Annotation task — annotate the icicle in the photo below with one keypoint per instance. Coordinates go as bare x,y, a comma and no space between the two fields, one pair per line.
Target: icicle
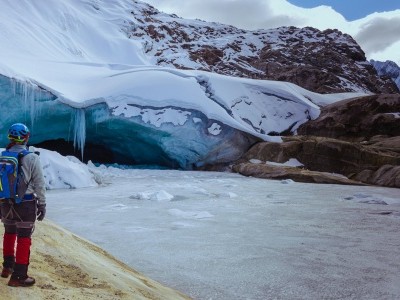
79,122
29,100
27,92
13,84
25,95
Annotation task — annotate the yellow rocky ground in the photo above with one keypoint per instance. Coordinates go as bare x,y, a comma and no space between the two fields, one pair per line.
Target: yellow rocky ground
67,267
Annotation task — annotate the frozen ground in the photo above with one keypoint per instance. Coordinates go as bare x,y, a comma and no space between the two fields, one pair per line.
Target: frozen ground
224,236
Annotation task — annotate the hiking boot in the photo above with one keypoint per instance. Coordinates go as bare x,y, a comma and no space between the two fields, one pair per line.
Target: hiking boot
6,272
21,281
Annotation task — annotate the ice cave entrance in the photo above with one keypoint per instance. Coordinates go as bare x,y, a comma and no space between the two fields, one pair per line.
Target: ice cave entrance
101,154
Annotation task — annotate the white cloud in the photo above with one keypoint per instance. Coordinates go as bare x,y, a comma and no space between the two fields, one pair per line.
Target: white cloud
386,32
234,12
377,34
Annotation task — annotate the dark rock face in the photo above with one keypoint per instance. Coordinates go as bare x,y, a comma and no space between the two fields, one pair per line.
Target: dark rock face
358,138
388,69
386,175
321,61
359,163
357,119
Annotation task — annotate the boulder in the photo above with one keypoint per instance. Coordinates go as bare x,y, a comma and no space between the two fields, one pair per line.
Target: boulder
387,175
357,119
297,174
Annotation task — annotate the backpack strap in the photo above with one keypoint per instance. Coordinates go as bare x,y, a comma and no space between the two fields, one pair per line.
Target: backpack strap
20,156
19,171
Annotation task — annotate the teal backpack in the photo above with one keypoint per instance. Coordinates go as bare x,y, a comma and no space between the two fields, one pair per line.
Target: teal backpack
11,175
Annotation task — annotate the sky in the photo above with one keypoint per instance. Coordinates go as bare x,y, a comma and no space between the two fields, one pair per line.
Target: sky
351,10
375,25
225,236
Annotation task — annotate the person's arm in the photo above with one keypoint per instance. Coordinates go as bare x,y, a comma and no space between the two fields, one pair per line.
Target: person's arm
37,180
36,183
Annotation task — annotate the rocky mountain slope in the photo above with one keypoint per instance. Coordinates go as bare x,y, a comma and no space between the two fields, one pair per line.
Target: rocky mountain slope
388,69
66,266
355,141
321,61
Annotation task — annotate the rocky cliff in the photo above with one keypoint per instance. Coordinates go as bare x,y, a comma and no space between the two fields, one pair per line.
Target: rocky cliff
355,141
388,69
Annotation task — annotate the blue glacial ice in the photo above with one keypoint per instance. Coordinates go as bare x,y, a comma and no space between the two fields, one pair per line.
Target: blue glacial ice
183,139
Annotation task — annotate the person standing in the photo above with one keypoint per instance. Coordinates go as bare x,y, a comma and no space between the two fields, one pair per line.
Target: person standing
19,219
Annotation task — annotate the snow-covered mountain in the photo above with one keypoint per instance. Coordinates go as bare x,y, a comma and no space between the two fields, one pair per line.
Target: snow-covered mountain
321,61
389,69
78,73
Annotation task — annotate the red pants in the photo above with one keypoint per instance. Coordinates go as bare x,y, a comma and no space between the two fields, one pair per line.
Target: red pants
18,222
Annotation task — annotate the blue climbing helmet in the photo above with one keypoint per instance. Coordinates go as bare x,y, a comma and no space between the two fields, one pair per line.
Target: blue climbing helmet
18,133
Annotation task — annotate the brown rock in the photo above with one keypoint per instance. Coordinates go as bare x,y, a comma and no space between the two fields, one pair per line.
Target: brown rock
386,175
296,174
384,142
357,119
331,155
353,160
276,152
